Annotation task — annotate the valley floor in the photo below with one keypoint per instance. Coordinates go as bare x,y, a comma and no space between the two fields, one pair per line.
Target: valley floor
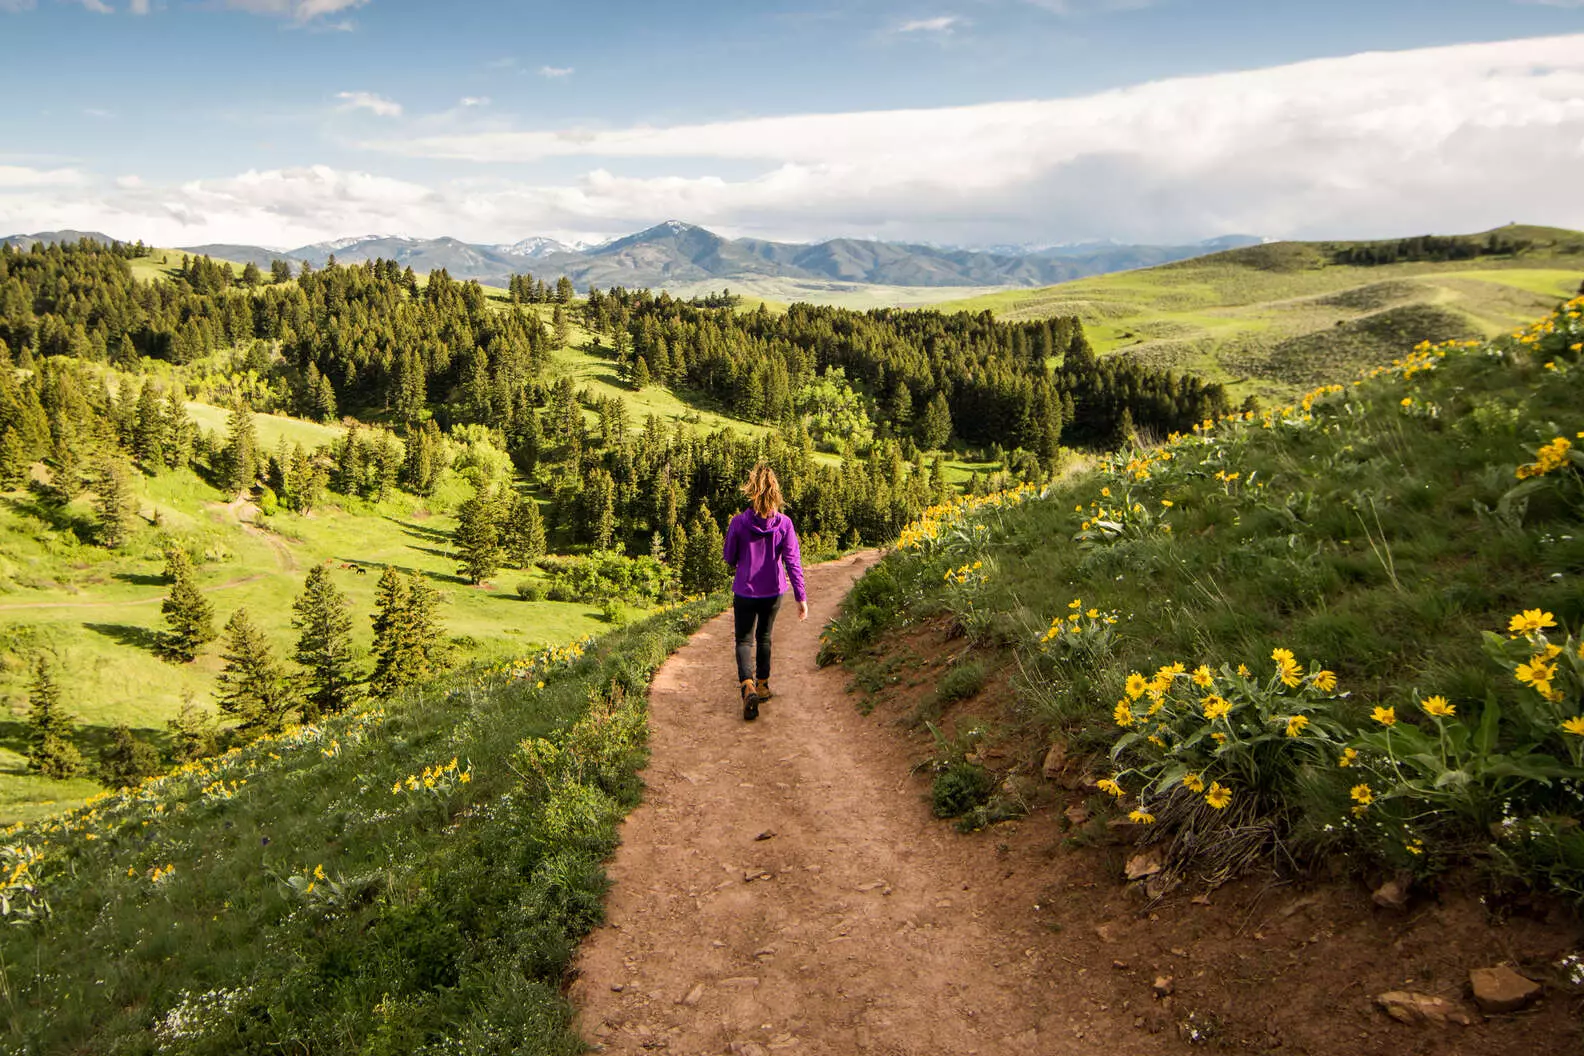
784,888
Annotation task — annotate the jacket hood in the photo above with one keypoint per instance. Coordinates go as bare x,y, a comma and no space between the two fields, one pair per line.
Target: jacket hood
760,525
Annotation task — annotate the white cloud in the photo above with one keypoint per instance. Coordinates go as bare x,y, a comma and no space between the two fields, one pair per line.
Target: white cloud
99,112
474,100
377,105
98,7
16,176
12,7
138,7
939,24
300,11
1447,139
555,71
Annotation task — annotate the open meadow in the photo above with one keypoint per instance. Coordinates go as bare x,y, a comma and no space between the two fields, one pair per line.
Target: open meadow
1273,320
97,612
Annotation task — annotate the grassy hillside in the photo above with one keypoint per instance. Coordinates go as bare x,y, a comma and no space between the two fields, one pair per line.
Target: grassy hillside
409,878
1276,319
1348,626
97,612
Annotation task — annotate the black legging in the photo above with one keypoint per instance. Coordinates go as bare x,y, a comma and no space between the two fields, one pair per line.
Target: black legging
749,611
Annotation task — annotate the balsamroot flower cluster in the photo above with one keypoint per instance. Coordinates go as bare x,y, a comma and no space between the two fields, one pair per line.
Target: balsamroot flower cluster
1211,733
944,522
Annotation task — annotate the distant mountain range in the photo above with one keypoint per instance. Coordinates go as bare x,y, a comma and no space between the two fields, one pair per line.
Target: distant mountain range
680,254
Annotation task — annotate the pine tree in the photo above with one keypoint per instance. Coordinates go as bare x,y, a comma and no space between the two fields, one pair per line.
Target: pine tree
395,655
524,536
252,686
239,462
112,503
423,603
149,429
640,375
703,571
188,614
408,638
127,760
14,462
50,728
934,427
193,732
477,539
251,276
179,431
408,404
323,617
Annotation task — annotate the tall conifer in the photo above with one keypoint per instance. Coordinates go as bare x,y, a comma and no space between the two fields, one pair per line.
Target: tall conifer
188,615
323,618
252,685
477,539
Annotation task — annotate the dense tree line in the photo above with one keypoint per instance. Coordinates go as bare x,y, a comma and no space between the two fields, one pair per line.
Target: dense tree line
928,375
365,337
1436,248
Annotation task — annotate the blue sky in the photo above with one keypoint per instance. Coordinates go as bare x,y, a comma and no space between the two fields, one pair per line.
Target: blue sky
284,121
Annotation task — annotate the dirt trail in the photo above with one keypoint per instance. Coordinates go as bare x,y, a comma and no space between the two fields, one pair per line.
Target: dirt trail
863,925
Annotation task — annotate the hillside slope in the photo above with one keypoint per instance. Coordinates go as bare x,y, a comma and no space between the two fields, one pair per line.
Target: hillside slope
1348,627
1276,319
407,878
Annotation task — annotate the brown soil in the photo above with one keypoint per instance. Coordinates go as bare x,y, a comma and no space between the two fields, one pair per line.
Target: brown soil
784,888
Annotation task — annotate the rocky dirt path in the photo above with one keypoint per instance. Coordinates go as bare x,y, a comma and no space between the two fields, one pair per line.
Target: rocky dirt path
783,888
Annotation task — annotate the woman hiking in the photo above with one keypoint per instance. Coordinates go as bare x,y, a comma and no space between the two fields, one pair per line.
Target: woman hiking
760,543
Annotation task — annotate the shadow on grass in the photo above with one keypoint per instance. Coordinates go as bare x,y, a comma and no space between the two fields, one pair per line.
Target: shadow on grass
141,579
90,741
434,535
127,634
439,577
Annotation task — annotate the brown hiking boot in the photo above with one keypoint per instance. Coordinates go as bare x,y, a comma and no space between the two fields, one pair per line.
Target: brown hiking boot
750,701
762,689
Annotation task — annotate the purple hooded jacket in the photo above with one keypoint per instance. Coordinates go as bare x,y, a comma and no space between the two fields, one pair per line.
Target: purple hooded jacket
757,549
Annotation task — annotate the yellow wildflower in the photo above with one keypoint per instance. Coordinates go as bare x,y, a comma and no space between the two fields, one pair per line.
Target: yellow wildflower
1141,817
1362,794
1136,685
1193,782
1202,677
1243,670
1438,706
1530,621
1575,725
1106,784
1220,738
1325,681
1385,716
1123,714
1349,757
1536,673
1215,706
1296,724
1218,796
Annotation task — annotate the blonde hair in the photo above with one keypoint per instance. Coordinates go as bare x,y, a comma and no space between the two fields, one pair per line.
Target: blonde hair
763,490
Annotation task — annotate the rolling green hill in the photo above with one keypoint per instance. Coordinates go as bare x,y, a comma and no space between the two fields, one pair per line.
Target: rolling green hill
1275,319
96,612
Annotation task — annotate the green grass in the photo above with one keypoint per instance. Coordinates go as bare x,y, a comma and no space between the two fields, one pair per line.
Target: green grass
1377,539
439,920
1233,316
272,428
97,612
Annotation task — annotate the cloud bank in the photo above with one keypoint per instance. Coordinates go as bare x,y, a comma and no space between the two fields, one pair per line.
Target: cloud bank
1444,139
